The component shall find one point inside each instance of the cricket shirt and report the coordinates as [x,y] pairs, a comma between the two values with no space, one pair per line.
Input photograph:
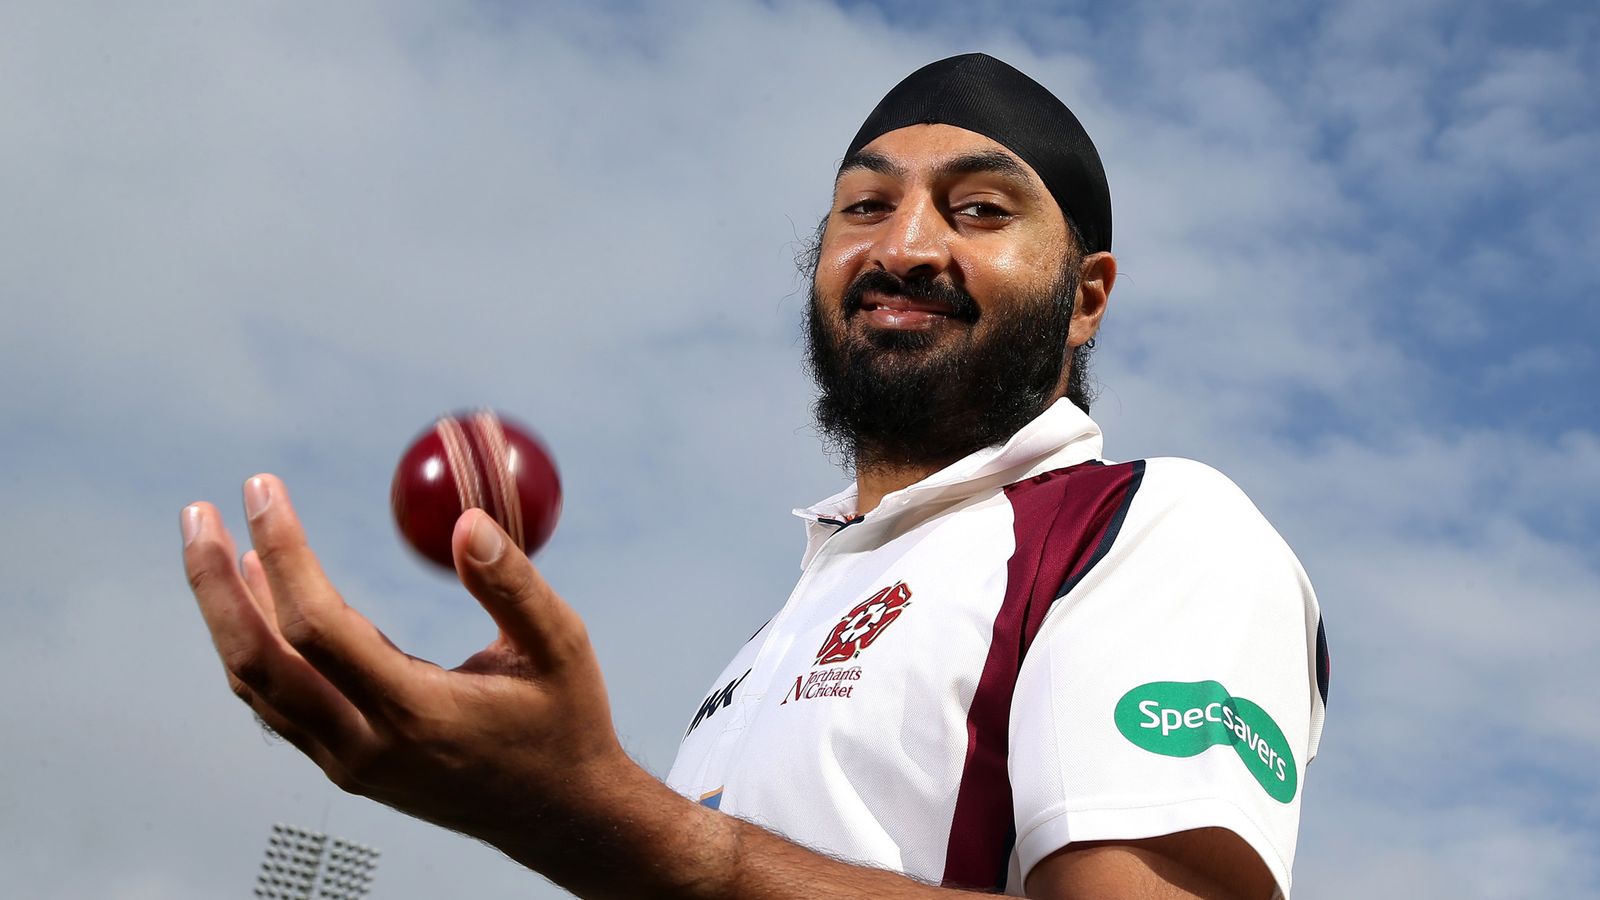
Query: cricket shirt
[1029,648]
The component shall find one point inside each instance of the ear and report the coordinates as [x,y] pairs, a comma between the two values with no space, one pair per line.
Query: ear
[1096,274]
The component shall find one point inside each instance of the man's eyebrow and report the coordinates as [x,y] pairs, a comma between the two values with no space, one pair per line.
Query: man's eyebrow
[984,161]
[991,162]
[994,162]
[872,162]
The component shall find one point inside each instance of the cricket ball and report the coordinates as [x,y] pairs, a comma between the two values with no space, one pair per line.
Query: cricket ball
[475,460]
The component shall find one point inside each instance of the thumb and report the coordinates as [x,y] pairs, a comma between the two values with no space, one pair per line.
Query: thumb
[533,618]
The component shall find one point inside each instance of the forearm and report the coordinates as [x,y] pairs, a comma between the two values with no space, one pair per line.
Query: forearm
[642,839]
[515,747]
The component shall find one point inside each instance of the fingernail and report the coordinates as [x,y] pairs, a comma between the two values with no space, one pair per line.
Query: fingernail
[256,496]
[485,544]
[190,522]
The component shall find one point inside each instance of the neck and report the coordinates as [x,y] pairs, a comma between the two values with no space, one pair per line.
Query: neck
[879,474]
[873,483]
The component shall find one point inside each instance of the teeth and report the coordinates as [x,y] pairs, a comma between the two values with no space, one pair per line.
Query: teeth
[870,307]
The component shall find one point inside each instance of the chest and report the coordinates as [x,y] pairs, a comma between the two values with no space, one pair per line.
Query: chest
[865,675]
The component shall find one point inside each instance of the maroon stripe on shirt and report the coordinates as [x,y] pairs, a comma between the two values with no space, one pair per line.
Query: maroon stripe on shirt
[1064,521]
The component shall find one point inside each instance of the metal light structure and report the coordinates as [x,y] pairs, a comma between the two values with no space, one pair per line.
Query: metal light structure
[347,871]
[307,865]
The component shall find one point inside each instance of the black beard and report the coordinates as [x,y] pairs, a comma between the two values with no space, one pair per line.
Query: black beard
[896,399]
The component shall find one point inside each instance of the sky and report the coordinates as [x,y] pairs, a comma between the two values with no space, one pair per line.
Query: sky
[1358,244]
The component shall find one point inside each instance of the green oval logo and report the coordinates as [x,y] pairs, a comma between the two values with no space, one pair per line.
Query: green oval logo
[1185,718]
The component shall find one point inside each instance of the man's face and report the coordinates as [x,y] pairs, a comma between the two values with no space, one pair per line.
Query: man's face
[942,299]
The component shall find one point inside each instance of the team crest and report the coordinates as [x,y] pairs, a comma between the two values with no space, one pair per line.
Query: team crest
[862,625]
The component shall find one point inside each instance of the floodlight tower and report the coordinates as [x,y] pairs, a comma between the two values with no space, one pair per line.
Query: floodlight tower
[347,873]
[305,865]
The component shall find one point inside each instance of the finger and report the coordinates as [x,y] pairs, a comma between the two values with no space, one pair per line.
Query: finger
[251,650]
[311,616]
[275,724]
[255,578]
[532,617]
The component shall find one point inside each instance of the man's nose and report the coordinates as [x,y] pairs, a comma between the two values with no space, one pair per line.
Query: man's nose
[914,240]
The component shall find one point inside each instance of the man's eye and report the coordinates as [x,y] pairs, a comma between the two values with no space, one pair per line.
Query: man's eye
[865,207]
[983,211]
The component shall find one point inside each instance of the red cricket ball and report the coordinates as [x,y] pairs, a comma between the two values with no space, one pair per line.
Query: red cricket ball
[475,460]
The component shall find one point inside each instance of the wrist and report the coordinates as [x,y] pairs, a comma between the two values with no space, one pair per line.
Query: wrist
[612,829]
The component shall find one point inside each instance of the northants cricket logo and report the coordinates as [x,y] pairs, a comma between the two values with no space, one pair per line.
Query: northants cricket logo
[854,632]
[1186,718]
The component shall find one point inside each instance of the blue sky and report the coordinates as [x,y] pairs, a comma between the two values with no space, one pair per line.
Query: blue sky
[1358,252]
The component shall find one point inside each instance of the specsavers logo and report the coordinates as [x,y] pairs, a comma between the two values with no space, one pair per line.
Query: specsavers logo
[1185,718]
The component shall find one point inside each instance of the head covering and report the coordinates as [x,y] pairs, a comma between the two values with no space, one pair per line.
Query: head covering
[977,92]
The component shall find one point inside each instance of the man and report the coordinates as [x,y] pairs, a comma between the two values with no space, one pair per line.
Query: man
[1008,664]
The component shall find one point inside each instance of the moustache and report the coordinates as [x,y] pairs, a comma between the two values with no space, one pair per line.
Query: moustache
[926,290]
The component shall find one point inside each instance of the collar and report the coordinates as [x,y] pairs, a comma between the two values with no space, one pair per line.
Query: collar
[1063,435]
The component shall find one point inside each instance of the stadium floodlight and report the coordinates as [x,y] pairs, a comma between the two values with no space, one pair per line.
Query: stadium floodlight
[347,873]
[300,864]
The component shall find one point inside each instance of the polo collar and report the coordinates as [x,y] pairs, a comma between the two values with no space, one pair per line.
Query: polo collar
[1063,435]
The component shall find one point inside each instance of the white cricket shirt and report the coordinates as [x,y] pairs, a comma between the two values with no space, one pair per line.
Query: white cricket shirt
[1028,648]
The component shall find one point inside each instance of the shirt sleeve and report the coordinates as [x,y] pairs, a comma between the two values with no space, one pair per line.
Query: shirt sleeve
[1176,685]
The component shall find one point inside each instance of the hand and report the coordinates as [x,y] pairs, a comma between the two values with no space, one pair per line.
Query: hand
[509,743]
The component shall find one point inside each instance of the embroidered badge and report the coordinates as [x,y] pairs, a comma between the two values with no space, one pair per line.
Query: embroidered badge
[861,626]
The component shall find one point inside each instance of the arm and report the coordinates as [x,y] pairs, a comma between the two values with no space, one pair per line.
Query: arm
[1209,863]
[1173,692]
[516,747]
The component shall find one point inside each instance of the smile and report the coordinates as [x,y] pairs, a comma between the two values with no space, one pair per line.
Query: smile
[898,312]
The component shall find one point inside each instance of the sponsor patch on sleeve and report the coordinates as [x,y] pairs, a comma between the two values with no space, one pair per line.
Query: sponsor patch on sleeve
[1186,718]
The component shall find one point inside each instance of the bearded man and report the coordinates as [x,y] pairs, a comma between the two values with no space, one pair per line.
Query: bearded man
[1008,665]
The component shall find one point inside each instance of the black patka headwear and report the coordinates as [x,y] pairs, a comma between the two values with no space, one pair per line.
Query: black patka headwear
[977,92]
